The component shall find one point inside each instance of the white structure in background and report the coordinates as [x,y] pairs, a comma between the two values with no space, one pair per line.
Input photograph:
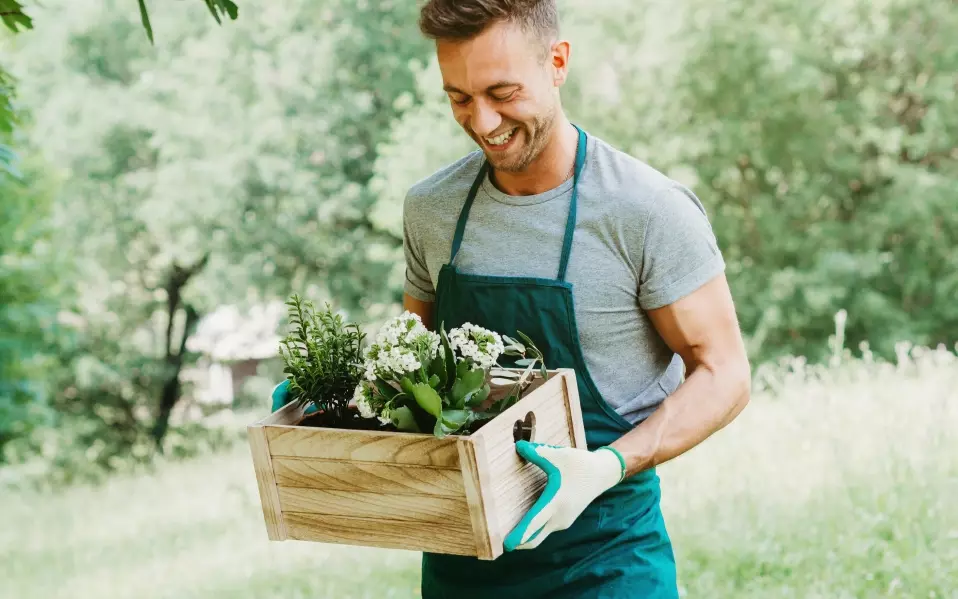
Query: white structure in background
[233,344]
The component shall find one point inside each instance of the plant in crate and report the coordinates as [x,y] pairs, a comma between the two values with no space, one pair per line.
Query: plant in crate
[418,380]
[324,362]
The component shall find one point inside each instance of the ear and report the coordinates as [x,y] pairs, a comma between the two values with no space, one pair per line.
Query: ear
[559,55]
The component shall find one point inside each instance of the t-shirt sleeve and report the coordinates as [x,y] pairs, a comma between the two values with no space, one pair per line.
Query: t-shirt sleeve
[418,284]
[680,252]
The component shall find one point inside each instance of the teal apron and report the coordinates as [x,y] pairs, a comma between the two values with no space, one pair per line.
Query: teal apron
[619,546]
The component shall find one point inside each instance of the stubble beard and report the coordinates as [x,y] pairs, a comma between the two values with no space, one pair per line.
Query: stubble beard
[535,139]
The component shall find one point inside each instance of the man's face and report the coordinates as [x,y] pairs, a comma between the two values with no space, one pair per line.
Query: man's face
[502,88]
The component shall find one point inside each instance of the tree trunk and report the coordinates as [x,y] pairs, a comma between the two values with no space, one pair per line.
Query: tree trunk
[175,351]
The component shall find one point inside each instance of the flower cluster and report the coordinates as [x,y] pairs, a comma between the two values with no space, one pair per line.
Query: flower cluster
[475,343]
[402,346]
[419,380]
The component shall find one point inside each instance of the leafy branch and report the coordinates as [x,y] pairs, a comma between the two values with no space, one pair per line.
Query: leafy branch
[323,357]
[531,357]
[11,11]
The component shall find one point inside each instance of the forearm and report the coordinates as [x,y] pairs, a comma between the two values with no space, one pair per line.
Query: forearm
[708,399]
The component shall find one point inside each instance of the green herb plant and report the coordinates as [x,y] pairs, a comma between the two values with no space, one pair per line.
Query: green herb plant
[323,358]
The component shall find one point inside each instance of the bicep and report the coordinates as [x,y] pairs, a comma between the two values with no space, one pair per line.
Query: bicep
[702,327]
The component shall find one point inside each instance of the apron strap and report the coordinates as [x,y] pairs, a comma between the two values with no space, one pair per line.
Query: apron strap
[570,220]
[464,213]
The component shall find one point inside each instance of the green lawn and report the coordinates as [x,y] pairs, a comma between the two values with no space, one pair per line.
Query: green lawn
[844,488]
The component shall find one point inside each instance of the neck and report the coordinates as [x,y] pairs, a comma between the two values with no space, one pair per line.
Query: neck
[550,168]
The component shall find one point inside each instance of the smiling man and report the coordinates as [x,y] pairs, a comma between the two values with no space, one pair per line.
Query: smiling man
[610,266]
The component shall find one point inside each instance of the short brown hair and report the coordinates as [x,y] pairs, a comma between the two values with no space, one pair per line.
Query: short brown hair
[465,19]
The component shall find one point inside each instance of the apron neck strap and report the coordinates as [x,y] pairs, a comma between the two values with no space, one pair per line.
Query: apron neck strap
[570,221]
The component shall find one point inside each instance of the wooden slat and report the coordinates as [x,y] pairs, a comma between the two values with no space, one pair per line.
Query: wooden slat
[515,484]
[481,511]
[363,504]
[367,446]
[413,536]
[574,413]
[367,476]
[289,415]
[269,497]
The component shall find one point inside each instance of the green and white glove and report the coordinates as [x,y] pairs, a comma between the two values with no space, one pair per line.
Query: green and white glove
[280,397]
[575,478]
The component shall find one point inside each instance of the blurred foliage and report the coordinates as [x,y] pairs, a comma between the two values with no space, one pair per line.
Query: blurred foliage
[240,164]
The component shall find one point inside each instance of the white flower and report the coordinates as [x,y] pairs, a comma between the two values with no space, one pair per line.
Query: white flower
[480,345]
[401,346]
[362,399]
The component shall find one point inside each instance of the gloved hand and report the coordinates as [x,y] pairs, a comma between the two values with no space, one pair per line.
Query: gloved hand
[280,397]
[575,478]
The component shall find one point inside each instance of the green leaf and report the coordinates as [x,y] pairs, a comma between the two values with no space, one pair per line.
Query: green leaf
[525,361]
[212,5]
[425,396]
[439,431]
[468,383]
[145,19]
[478,397]
[14,17]
[450,359]
[404,420]
[438,368]
[229,8]
[434,381]
[526,339]
[456,418]
[386,390]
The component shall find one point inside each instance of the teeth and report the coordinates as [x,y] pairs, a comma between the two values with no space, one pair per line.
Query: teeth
[498,141]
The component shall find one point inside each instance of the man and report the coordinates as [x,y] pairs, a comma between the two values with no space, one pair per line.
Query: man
[613,270]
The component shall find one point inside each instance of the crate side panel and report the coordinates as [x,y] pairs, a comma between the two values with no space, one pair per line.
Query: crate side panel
[515,483]
[481,510]
[366,446]
[367,476]
[365,504]
[266,483]
[435,537]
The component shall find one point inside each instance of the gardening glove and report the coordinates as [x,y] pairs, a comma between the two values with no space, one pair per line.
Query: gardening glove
[280,397]
[575,478]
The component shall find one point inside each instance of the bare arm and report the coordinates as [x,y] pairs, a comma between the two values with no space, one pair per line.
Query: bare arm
[417,306]
[704,330]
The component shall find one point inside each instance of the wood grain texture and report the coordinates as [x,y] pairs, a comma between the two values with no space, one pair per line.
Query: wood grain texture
[364,504]
[377,532]
[367,476]
[269,497]
[365,446]
[516,484]
[289,415]
[478,495]
[574,412]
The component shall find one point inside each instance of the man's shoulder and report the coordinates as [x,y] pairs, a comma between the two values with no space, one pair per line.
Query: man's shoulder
[451,180]
[620,170]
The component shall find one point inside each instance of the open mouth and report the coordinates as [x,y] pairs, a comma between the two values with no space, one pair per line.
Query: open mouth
[501,141]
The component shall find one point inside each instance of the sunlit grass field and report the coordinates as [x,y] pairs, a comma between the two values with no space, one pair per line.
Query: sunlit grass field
[842,484]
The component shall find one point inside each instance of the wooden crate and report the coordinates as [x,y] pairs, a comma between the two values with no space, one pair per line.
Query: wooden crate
[458,495]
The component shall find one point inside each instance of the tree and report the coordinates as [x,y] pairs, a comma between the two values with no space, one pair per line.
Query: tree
[224,185]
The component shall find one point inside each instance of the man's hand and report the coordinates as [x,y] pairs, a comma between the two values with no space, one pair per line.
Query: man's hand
[280,397]
[575,477]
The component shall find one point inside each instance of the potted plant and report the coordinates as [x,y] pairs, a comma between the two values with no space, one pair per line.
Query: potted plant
[409,379]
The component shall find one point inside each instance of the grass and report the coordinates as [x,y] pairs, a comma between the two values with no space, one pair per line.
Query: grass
[839,483]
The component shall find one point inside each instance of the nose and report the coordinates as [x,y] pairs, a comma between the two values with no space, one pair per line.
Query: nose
[485,119]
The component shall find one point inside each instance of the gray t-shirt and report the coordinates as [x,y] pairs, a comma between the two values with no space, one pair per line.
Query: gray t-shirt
[642,241]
